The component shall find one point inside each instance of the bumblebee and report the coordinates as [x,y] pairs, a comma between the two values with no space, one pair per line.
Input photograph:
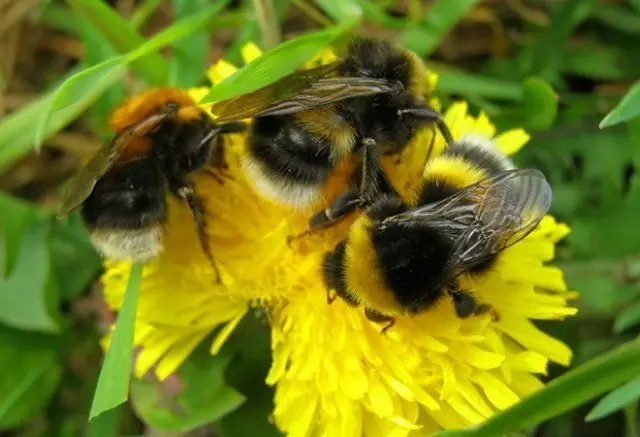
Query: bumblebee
[401,257]
[290,157]
[161,138]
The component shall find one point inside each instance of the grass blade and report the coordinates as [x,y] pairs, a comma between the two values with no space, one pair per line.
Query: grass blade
[626,109]
[616,400]
[574,388]
[123,36]
[189,60]
[276,64]
[466,84]
[113,382]
[80,88]
[440,18]
[552,43]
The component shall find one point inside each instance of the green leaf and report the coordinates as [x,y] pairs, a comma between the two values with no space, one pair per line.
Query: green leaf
[79,92]
[538,110]
[628,317]
[275,64]
[252,360]
[341,10]
[15,216]
[552,42]
[618,17]
[439,19]
[75,261]
[192,407]
[144,12]
[190,55]
[123,36]
[30,372]
[570,390]
[598,61]
[83,88]
[24,303]
[376,13]
[113,383]
[466,84]
[16,129]
[616,400]
[97,49]
[626,109]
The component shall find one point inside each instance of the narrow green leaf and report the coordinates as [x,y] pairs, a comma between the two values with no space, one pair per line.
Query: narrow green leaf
[190,55]
[595,60]
[23,300]
[275,64]
[626,109]
[80,91]
[552,42]
[144,12]
[192,407]
[83,88]
[439,19]
[538,110]
[123,36]
[466,84]
[618,17]
[30,372]
[628,317]
[616,400]
[249,31]
[74,259]
[107,424]
[374,12]
[16,215]
[341,10]
[570,390]
[97,49]
[113,382]
[61,18]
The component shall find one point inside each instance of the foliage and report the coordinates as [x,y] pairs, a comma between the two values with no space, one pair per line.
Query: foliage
[562,70]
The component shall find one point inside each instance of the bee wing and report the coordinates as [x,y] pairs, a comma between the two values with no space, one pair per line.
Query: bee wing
[487,217]
[299,91]
[84,181]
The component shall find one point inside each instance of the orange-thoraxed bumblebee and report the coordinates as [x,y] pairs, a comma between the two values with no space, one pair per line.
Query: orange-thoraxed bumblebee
[400,257]
[161,137]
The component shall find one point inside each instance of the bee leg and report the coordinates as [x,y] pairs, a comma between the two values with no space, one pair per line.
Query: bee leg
[188,194]
[340,208]
[330,297]
[218,163]
[464,303]
[427,113]
[486,308]
[377,317]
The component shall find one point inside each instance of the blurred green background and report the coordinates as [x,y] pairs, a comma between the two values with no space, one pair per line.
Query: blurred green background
[553,67]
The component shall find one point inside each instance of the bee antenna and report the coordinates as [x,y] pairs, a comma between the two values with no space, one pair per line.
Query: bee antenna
[430,114]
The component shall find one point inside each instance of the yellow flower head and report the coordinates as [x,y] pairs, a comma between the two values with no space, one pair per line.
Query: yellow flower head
[335,374]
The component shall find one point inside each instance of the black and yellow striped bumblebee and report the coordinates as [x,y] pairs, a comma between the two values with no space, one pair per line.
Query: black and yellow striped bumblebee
[162,137]
[401,257]
[290,156]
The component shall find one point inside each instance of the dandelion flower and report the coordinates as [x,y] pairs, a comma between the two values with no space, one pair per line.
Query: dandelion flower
[334,373]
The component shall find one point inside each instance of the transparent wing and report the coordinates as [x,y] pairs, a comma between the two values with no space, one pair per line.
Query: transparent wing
[84,181]
[299,91]
[486,217]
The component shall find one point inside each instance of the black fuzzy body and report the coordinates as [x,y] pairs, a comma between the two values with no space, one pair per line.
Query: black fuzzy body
[132,195]
[289,152]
